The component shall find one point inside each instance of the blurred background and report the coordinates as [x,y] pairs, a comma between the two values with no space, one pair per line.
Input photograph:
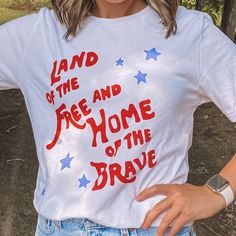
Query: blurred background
[213,146]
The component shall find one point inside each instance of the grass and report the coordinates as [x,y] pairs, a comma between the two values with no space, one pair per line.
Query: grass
[7,14]
[24,3]
[11,9]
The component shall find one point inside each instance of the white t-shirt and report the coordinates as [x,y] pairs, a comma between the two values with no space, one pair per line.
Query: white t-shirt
[112,109]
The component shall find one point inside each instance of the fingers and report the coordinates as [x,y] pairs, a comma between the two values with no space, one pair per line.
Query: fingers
[156,211]
[171,214]
[163,189]
[179,224]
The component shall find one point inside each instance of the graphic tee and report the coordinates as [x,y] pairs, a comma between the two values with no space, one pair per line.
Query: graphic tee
[112,109]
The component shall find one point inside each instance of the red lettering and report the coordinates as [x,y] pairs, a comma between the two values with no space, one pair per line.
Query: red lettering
[74,83]
[127,138]
[145,108]
[50,97]
[54,78]
[84,107]
[117,123]
[69,118]
[138,162]
[110,151]
[129,169]
[114,122]
[101,128]
[77,59]
[116,89]
[64,88]
[91,59]
[101,170]
[63,66]
[113,171]
[129,114]
[96,96]
[151,159]
[60,117]
[106,93]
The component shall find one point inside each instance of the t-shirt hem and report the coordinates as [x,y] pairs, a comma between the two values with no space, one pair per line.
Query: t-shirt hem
[232,116]
[106,222]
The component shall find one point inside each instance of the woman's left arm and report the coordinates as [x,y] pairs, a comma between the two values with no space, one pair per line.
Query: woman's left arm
[187,202]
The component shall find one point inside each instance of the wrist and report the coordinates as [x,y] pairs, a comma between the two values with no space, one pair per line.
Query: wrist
[231,182]
[228,172]
[221,186]
[216,197]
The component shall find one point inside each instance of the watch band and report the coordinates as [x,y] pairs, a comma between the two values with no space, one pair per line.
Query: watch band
[220,185]
[228,195]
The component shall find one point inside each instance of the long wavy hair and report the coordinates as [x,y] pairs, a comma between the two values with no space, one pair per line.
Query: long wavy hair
[71,13]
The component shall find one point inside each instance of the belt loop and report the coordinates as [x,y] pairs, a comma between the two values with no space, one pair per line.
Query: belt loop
[124,232]
[58,224]
[86,222]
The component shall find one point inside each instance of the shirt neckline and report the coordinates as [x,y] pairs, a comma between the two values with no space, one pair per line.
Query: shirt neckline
[110,21]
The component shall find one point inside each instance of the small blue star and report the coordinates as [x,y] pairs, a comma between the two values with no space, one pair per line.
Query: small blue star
[152,54]
[43,192]
[84,181]
[119,62]
[66,161]
[141,77]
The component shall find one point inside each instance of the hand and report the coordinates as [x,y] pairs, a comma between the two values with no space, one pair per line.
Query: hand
[184,203]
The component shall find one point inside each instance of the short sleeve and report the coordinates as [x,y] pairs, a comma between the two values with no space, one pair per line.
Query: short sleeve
[14,36]
[217,80]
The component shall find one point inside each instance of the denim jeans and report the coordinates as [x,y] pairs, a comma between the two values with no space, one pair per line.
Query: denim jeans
[86,227]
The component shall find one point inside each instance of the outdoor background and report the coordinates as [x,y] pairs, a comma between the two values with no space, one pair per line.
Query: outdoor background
[214,139]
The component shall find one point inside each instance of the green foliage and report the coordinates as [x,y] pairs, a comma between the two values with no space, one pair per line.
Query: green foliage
[189,3]
[7,14]
[213,7]
[215,10]
[24,4]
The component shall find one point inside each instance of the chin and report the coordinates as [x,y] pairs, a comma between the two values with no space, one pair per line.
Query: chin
[115,1]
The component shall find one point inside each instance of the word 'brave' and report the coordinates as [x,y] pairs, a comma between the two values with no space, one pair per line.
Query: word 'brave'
[87,59]
[112,171]
[114,123]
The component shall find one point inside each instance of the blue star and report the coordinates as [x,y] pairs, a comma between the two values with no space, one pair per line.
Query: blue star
[119,62]
[66,161]
[84,181]
[152,53]
[141,77]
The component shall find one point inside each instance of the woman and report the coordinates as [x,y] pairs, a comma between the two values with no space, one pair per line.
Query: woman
[111,87]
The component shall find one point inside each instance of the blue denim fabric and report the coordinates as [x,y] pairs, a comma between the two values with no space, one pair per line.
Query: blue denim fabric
[86,227]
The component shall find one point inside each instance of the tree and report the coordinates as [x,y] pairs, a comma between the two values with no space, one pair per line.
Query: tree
[199,5]
[228,24]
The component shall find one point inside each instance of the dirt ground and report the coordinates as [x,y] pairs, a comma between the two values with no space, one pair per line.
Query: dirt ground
[214,144]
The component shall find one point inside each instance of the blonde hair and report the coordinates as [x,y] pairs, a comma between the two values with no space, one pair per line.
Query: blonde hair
[71,13]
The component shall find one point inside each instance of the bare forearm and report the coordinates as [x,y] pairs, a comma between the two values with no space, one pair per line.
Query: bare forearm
[229,173]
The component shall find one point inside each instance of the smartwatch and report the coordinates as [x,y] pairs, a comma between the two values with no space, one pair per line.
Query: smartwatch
[220,185]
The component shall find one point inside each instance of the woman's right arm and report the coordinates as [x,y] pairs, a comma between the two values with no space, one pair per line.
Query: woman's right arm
[14,36]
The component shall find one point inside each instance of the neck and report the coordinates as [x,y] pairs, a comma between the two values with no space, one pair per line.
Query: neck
[105,9]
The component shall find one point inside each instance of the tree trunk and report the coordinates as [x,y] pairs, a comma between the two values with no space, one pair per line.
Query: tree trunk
[198,5]
[228,24]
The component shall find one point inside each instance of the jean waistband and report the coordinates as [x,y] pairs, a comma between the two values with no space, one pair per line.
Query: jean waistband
[83,221]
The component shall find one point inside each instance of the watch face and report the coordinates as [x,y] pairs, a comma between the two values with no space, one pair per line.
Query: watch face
[217,182]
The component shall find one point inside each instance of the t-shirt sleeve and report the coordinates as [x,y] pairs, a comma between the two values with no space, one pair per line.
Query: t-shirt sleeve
[14,36]
[217,80]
